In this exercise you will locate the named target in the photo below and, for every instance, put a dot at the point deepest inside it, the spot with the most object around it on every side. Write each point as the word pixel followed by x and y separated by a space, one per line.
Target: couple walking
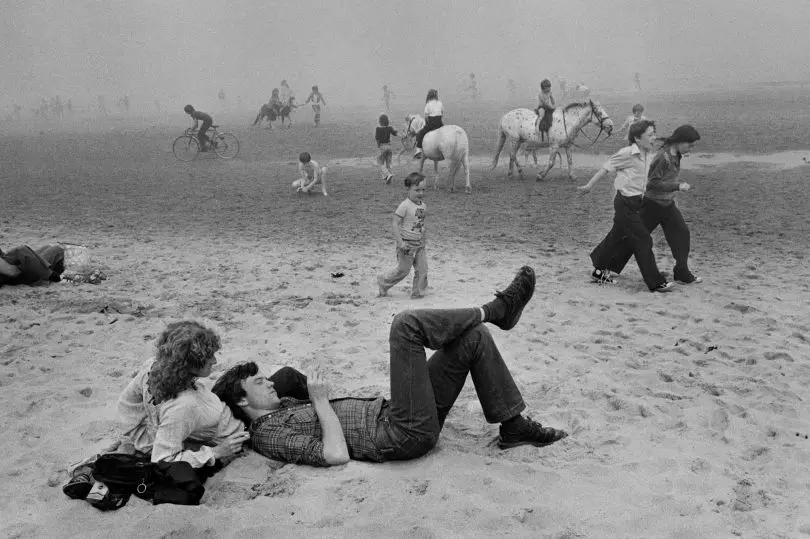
pixel 646 184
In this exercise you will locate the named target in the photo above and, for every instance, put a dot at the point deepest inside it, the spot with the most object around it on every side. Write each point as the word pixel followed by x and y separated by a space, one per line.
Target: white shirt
pixel 631 168
pixel 434 108
pixel 195 415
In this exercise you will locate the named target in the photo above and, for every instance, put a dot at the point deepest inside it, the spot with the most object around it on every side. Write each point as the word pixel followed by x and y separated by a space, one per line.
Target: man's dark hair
pixel 638 129
pixel 230 391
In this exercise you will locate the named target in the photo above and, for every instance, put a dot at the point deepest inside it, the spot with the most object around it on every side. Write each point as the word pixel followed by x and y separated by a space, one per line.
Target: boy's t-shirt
pixel 383 134
pixel 413 219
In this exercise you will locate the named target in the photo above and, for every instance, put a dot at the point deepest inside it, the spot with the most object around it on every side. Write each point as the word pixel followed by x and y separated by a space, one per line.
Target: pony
pixel 274 113
pixel 413 124
pixel 447 142
pixel 520 125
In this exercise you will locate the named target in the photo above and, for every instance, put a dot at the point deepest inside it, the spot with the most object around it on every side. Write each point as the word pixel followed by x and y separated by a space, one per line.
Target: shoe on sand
pixel 505 310
pixel 602 277
pixel 664 287
pixel 531 433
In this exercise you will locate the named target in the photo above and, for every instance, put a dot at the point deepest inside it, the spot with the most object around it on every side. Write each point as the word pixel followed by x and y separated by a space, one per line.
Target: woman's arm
pixel 601 173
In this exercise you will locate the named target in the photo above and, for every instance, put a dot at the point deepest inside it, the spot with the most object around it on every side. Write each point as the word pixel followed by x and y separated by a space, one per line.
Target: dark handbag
pixel 126 473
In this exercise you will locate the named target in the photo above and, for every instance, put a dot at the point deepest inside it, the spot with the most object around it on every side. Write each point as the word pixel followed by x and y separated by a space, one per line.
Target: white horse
pixel 520 125
pixel 447 142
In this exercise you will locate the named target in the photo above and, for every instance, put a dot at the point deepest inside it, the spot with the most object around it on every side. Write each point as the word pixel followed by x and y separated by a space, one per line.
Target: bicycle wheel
pixel 226 145
pixel 186 148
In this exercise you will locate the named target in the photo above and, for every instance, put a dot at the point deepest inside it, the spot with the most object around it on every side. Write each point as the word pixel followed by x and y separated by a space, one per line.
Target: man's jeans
pixel 423 391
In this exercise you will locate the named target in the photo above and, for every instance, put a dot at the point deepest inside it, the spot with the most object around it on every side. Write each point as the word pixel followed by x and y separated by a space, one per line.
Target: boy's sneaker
pixel 664 287
pixel 602 277
pixel 505 310
pixel 389 178
pixel 531 433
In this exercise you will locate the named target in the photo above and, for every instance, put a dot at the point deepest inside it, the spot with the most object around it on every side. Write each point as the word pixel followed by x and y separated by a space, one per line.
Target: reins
pixel 582 130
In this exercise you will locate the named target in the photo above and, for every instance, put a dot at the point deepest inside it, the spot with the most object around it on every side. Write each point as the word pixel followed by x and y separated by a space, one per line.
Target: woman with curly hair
pixel 168 412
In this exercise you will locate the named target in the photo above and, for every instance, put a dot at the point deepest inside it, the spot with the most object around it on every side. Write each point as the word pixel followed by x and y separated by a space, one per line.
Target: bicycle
pixel 187 146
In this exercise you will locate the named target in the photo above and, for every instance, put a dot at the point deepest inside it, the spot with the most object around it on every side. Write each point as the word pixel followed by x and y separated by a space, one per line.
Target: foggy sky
pixel 184 51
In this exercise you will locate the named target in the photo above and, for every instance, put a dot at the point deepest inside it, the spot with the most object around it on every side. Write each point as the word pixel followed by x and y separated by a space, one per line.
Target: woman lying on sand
pixel 168 414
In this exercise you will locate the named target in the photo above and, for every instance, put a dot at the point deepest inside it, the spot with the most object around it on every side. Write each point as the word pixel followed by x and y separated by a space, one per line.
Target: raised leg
pixel 551 158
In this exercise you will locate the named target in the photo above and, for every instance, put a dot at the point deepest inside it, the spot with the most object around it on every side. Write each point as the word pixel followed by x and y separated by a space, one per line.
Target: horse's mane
pixel 575 104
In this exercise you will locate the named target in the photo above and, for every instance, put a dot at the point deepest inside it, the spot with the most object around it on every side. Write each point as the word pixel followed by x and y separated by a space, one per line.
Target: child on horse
pixel 433 119
pixel 545 103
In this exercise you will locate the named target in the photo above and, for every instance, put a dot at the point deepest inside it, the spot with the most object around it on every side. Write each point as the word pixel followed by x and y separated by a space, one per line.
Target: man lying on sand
pixel 23 265
pixel 326 432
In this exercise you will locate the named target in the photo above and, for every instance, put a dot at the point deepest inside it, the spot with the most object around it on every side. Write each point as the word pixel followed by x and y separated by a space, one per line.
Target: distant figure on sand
pixel 563 88
pixel 545 108
pixel 637 116
pixel 434 110
pixel 221 95
pixel 407 425
pixel 317 100
pixel 511 89
pixel 311 174
pixel 637 81
pixel 387 96
pixel 659 207
pixel 584 90
pixel 410 237
pixel 285 93
pixel 631 165
pixel 382 135
pixel 199 116
pixel 472 88
pixel 23 265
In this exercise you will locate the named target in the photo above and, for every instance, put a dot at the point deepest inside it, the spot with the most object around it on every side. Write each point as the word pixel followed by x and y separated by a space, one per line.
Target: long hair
pixel 230 391
pixel 181 350
pixel 431 95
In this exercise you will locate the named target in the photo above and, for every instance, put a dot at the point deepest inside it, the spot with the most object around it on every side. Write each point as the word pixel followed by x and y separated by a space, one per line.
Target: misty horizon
pixel 178 53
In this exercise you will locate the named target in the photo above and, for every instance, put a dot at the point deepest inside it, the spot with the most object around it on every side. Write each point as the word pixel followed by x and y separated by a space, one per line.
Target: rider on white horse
pixel 433 119
pixel 546 103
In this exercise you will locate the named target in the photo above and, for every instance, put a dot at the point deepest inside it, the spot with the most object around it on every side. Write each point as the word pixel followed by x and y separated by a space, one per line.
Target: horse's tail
pixel 501 142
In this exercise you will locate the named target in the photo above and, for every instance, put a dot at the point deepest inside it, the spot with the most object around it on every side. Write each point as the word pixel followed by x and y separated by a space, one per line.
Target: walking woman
pixel 433 119
pixel 631 165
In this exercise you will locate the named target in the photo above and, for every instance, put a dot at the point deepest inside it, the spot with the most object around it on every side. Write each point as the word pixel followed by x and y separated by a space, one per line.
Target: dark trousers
pixel 423 391
pixel 675 231
pixel 431 124
pixel 628 234
pixel 201 133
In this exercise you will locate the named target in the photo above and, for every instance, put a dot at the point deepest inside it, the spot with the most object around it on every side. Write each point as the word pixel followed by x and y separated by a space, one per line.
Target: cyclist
pixel 199 116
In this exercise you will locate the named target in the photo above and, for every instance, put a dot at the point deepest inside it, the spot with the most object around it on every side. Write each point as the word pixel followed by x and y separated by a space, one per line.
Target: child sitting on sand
pixel 311 174
pixel 408 227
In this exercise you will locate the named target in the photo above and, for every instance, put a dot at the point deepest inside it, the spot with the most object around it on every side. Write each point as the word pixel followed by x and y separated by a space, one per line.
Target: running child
pixel 383 137
pixel 408 227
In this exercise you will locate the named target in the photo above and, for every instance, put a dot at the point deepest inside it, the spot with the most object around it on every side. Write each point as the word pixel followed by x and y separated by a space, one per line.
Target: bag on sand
pixel 163 482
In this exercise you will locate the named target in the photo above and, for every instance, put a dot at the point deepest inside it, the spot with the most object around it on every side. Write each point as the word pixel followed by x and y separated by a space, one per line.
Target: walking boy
pixel 408 226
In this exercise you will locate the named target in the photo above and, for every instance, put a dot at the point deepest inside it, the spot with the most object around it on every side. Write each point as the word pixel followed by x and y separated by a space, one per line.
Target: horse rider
pixel 546 103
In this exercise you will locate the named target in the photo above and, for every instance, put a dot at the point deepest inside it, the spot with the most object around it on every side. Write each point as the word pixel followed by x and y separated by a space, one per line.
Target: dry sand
pixel 687 411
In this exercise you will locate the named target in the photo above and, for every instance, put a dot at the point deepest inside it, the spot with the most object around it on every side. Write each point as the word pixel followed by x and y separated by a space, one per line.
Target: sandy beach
pixel 687 411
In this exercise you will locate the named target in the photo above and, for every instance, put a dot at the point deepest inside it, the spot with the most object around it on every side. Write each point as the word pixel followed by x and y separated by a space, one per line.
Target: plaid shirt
pixel 293 432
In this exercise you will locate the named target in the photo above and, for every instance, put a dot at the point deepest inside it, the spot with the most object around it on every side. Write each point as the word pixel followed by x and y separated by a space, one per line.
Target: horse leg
pixel 435 175
pixel 514 157
pixel 571 175
pixel 551 159
pixel 465 161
